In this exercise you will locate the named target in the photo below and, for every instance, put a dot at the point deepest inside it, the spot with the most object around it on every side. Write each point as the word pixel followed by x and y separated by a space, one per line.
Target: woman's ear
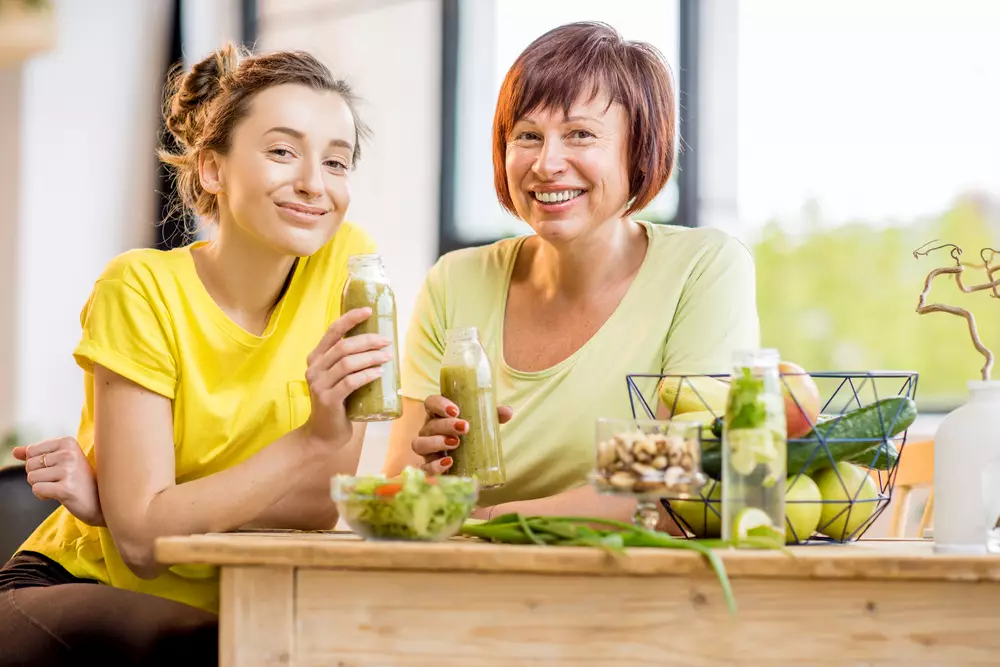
pixel 210 172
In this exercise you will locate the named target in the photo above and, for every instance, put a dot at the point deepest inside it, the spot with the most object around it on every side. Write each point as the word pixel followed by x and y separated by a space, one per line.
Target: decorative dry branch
pixel 958 270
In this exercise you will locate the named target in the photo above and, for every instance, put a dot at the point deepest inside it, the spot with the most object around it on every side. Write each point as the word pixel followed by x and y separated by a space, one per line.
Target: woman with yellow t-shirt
pixel 583 138
pixel 215 381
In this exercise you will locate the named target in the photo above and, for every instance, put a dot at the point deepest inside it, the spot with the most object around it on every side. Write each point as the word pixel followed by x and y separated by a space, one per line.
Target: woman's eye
pixel 338 165
pixel 280 152
pixel 528 136
pixel 582 134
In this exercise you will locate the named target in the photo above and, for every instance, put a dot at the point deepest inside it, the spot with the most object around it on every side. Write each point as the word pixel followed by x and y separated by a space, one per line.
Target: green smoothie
pixel 478 454
pixel 379 400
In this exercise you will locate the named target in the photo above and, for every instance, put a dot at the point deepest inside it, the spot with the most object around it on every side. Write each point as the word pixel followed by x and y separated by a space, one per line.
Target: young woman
pixel 215 374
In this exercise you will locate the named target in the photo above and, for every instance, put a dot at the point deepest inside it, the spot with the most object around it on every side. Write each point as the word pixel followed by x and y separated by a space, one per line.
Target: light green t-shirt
pixel 690 306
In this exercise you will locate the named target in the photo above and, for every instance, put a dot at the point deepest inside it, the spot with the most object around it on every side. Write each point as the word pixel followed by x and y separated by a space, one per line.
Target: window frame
pixel 689 73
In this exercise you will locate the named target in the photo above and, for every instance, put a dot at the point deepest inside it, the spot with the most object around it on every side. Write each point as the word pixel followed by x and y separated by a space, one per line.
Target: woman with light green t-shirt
pixel 583 138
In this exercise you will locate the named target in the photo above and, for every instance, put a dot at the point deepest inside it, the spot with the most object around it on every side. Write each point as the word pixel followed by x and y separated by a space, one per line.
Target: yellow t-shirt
pixel 151 320
pixel 691 305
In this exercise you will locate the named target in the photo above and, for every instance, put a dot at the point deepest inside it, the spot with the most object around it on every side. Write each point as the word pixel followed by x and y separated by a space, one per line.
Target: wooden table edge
pixel 874 560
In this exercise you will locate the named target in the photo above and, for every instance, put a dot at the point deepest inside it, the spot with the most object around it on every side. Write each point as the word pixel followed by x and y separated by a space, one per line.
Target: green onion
pixel 557 531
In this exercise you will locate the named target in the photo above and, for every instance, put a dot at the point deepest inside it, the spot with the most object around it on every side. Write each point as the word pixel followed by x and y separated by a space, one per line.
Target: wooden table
pixel 333 600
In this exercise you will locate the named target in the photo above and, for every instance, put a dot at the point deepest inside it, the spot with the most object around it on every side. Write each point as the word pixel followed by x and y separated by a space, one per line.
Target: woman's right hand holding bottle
pixel 339 365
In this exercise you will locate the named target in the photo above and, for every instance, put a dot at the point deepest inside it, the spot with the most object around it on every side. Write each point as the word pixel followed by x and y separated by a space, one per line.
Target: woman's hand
pixel 336 368
pixel 58 470
pixel 441 431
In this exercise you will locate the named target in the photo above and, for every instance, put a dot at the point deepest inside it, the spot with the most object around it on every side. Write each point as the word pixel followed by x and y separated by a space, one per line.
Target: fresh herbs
pixel 614 536
pixel 747 408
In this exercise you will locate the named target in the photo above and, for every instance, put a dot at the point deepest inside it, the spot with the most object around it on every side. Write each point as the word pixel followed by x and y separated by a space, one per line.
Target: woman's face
pixel 284 181
pixel 568 174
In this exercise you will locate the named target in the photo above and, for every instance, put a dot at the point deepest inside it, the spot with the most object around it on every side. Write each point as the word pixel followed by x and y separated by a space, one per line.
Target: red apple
pixel 802 401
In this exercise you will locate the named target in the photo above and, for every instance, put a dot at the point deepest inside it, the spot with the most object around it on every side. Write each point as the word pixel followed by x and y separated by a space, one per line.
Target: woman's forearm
pixel 309 505
pixel 220 502
pixel 581 501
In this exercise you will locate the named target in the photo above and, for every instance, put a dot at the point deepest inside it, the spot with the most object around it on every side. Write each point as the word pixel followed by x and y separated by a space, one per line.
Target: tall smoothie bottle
pixel 367 286
pixel 467 381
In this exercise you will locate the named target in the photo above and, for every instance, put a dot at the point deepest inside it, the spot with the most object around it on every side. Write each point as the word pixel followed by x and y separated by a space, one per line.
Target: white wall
pixel 86 187
pixel 390 51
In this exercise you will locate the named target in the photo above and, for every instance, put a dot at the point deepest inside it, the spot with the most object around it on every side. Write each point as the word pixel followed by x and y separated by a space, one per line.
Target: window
pixel 867 129
pixel 482 40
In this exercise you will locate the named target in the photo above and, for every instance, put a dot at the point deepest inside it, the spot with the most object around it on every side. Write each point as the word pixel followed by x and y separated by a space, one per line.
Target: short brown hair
pixel 558 67
pixel 203 106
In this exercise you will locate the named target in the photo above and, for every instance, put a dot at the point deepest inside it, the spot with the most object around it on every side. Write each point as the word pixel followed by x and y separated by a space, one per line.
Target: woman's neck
pixel 244 277
pixel 587 265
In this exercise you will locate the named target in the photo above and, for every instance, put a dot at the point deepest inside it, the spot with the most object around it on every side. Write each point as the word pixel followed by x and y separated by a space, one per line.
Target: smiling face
pixel 284 180
pixel 567 173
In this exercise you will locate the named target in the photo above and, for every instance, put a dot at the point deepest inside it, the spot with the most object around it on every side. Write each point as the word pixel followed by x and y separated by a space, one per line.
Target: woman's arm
pixel 309 506
pixel 135 465
pixel 583 501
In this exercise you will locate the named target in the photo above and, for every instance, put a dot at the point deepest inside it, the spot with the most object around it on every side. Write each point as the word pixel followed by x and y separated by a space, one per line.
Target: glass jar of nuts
pixel 648 459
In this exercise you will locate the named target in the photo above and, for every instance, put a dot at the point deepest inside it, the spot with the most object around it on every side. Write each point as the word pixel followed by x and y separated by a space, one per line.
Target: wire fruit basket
pixel 840 472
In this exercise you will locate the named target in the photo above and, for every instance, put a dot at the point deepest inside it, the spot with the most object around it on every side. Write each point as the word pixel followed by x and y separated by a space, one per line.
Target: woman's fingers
pixel 439 406
pixel 448 427
pixel 336 331
pixel 351 346
pixel 49 491
pixel 338 393
pixel 437 466
pixel 321 380
pixel 46 457
pixel 50 474
pixel 433 444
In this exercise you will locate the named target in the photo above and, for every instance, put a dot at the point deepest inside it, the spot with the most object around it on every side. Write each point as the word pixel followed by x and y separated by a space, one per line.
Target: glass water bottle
pixel 754 450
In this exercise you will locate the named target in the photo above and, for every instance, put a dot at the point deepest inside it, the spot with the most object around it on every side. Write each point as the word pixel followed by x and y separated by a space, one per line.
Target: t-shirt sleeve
pixel 717 313
pixel 425 339
pixel 123 332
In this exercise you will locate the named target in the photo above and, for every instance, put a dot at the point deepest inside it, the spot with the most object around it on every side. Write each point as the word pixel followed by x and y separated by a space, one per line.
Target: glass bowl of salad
pixel 413 506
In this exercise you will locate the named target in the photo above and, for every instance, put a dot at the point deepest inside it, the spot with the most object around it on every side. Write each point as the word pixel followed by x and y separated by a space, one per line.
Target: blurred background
pixel 833 136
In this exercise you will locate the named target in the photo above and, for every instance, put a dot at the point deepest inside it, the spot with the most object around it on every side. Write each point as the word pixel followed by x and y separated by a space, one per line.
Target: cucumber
pixel 853 437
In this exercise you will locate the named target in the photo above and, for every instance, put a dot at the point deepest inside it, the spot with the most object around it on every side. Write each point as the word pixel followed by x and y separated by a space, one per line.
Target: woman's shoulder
pixel 698 240
pixel 140 267
pixel 485 262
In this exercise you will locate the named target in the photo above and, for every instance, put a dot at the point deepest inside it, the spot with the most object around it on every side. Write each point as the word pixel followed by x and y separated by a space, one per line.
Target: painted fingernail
pixel 451 440
pixel 446 462
pixel 452 411
pixel 463 427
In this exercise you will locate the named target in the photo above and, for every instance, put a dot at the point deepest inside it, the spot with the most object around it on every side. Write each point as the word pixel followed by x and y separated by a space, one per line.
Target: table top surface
pixel 868 559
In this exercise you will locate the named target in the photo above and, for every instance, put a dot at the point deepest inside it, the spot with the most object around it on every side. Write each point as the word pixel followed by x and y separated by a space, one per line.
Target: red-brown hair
pixel 591 58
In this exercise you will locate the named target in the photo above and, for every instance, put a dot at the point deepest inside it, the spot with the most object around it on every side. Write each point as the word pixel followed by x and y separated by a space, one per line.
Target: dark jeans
pixel 49 617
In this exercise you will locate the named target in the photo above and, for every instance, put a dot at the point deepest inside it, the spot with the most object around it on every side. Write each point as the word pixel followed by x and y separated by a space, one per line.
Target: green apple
pixel 857 486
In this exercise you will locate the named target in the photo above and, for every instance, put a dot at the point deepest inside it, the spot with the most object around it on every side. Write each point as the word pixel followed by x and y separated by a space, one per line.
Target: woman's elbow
pixel 139 555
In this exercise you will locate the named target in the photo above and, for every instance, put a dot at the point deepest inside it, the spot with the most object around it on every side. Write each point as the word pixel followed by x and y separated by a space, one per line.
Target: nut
pixel 622 480
pixel 646 463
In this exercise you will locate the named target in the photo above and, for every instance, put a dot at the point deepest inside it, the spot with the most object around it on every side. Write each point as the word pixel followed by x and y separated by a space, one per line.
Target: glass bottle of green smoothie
pixel 467 381
pixel 367 285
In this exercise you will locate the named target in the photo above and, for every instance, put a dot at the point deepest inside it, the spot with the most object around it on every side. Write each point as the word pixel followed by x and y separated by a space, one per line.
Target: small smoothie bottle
pixel 367 286
pixel 467 381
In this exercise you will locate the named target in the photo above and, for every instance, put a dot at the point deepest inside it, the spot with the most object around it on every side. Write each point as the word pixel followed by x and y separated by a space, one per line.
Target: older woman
pixel 583 138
